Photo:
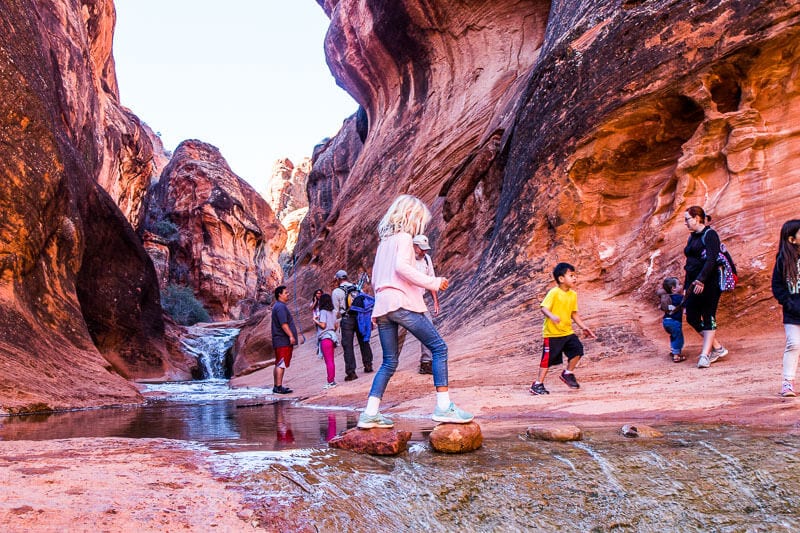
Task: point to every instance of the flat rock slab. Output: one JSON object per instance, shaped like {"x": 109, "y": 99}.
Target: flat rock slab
{"x": 372, "y": 441}
{"x": 555, "y": 432}
{"x": 456, "y": 438}
{"x": 640, "y": 431}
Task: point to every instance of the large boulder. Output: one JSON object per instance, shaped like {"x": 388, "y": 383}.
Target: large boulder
{"x": 224, "y": 240}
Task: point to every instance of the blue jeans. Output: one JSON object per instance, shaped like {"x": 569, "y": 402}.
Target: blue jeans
{"x": 675, "y": 330}
{"x": 424, "y": 331}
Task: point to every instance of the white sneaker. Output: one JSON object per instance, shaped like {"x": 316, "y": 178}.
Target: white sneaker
{"x": 704, "y": 361}
{"x": 330, "y": 385}
{"x": 718, "y": 354}
{"x": 452, "y": 414}
{"x": 787, "y": 390}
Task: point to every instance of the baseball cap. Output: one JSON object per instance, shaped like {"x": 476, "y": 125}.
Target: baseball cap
{"x": 422, "y": 242}
{"x": 341, "y": 274}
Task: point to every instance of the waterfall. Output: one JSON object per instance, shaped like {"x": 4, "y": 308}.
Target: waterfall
{"x": 210, "y": 346}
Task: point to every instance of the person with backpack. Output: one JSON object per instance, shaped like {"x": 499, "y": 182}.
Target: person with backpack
{"x": 399, "y": 303}
{"x": 702, "y": 284}
{"x": 343, "y": 296}
{"x": 424, "y": 265}
{"x": 786, "y": 289}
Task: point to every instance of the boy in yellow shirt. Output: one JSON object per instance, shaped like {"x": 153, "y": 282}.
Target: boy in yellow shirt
{"x": 560, "y": 308}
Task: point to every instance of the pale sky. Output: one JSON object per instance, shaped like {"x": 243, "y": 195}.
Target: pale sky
{"x": 248, "y": 76}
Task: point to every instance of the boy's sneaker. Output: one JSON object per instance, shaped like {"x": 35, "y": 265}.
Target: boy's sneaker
{"x": 281, "y": 390}
{"x": 538, "y": 388}
{"x": 704, "y": 361}
{"x": 570, "y": 380}
{"x": 366, "y": 421}
{"x": 787, "y": 390}
{"x": 452, "y": 414}
{"x": 716, "y": 355}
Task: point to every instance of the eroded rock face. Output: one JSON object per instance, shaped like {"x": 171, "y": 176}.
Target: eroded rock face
{"x": 253, "y": 346}
{"x": 286, "y": 195}
{"x": 223, "y": 238}
{"x": 78, "y": 294}
{"x": 581, "y": 131}
{"x": 286, "y": 187}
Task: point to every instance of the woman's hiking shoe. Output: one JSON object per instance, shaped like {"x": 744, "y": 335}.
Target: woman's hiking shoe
{"x": 704, "y": 361}
{"x": 718, "y": 354}
{"x": 787, "y": 390}
{"x": 538, "y": 388}
{"x": 366, "y": 421}
{"x": 452, "y": 414}
{"x": 570, "y": 380}
{"x": 281, "y": 390}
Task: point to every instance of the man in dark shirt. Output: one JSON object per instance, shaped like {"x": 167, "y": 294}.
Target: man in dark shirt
{"x": 284, "y": 337}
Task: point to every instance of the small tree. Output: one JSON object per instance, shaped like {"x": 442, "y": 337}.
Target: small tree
{"x": 166, "y": 228}
{"x": 180, "y": 303}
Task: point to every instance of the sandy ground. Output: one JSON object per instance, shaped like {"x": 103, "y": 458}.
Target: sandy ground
{"x": 157, "y": 485}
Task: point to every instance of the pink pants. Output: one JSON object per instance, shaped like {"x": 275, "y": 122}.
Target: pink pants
{"x": 327, "y": 353}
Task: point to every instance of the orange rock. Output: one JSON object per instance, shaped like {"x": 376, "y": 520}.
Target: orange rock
{"x": 555, "y": 432}
{"x": 372, "y": 441}
{"x": 640, "y": 431}
{"x": 456, "y": 438}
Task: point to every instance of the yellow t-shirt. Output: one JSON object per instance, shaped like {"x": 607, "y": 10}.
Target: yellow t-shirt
{"x": 562, "y": 304}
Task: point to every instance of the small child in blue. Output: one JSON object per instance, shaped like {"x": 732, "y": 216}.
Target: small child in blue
{"x": 671, "y": 302}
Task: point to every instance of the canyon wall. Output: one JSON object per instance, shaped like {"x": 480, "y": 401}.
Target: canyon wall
{"x": 217, "y": 235}
{"x": 78, "y": 295}
{"x": 577, "y": 131}
{"x": 286, "y": 195}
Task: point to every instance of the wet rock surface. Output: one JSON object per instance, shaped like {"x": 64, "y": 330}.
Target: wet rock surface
{"x": 456, "y": 438}
{"x": 372, "y": 441}
{"x": 642, "y": 431}
{"x": 555, "y": 432}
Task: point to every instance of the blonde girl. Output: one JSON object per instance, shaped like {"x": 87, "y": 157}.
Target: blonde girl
{"x": 399, "y": 302}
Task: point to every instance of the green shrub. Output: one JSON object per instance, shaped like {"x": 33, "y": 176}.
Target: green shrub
{"x": 165, "y": 228}
{"x": 180, "y": 303}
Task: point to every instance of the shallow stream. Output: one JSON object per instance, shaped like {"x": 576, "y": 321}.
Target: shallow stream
{"x": 695, "y": 478}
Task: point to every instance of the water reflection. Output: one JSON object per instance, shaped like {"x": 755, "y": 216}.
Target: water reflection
{"x": 254, "y": 424}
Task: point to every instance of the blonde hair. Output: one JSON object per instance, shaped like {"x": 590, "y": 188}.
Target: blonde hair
{"x": 407, "y": 214}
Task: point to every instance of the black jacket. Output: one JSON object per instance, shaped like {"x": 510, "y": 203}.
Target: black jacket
{"x": 698, "y": 267}
{"x": 787, "y": 295}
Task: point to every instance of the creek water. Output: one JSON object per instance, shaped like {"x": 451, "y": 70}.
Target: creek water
{"x": 695, "y": 478}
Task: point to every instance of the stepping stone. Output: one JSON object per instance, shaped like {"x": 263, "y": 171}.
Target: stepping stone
{"x": 640, "y": 431}
{"x": 374, "y": 441}
{"x": 456, "y": 438}
{"x": 555, "y": 432}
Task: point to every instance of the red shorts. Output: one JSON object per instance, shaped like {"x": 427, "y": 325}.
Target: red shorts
{"x": 283, "y": 354}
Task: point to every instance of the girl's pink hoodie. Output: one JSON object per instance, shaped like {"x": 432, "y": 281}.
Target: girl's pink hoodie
{"x": 396, "y": 278}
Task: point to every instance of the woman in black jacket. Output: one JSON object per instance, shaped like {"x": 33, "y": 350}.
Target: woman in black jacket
{"x": 786, "y": 289}
{"x": 702, "y": 284}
